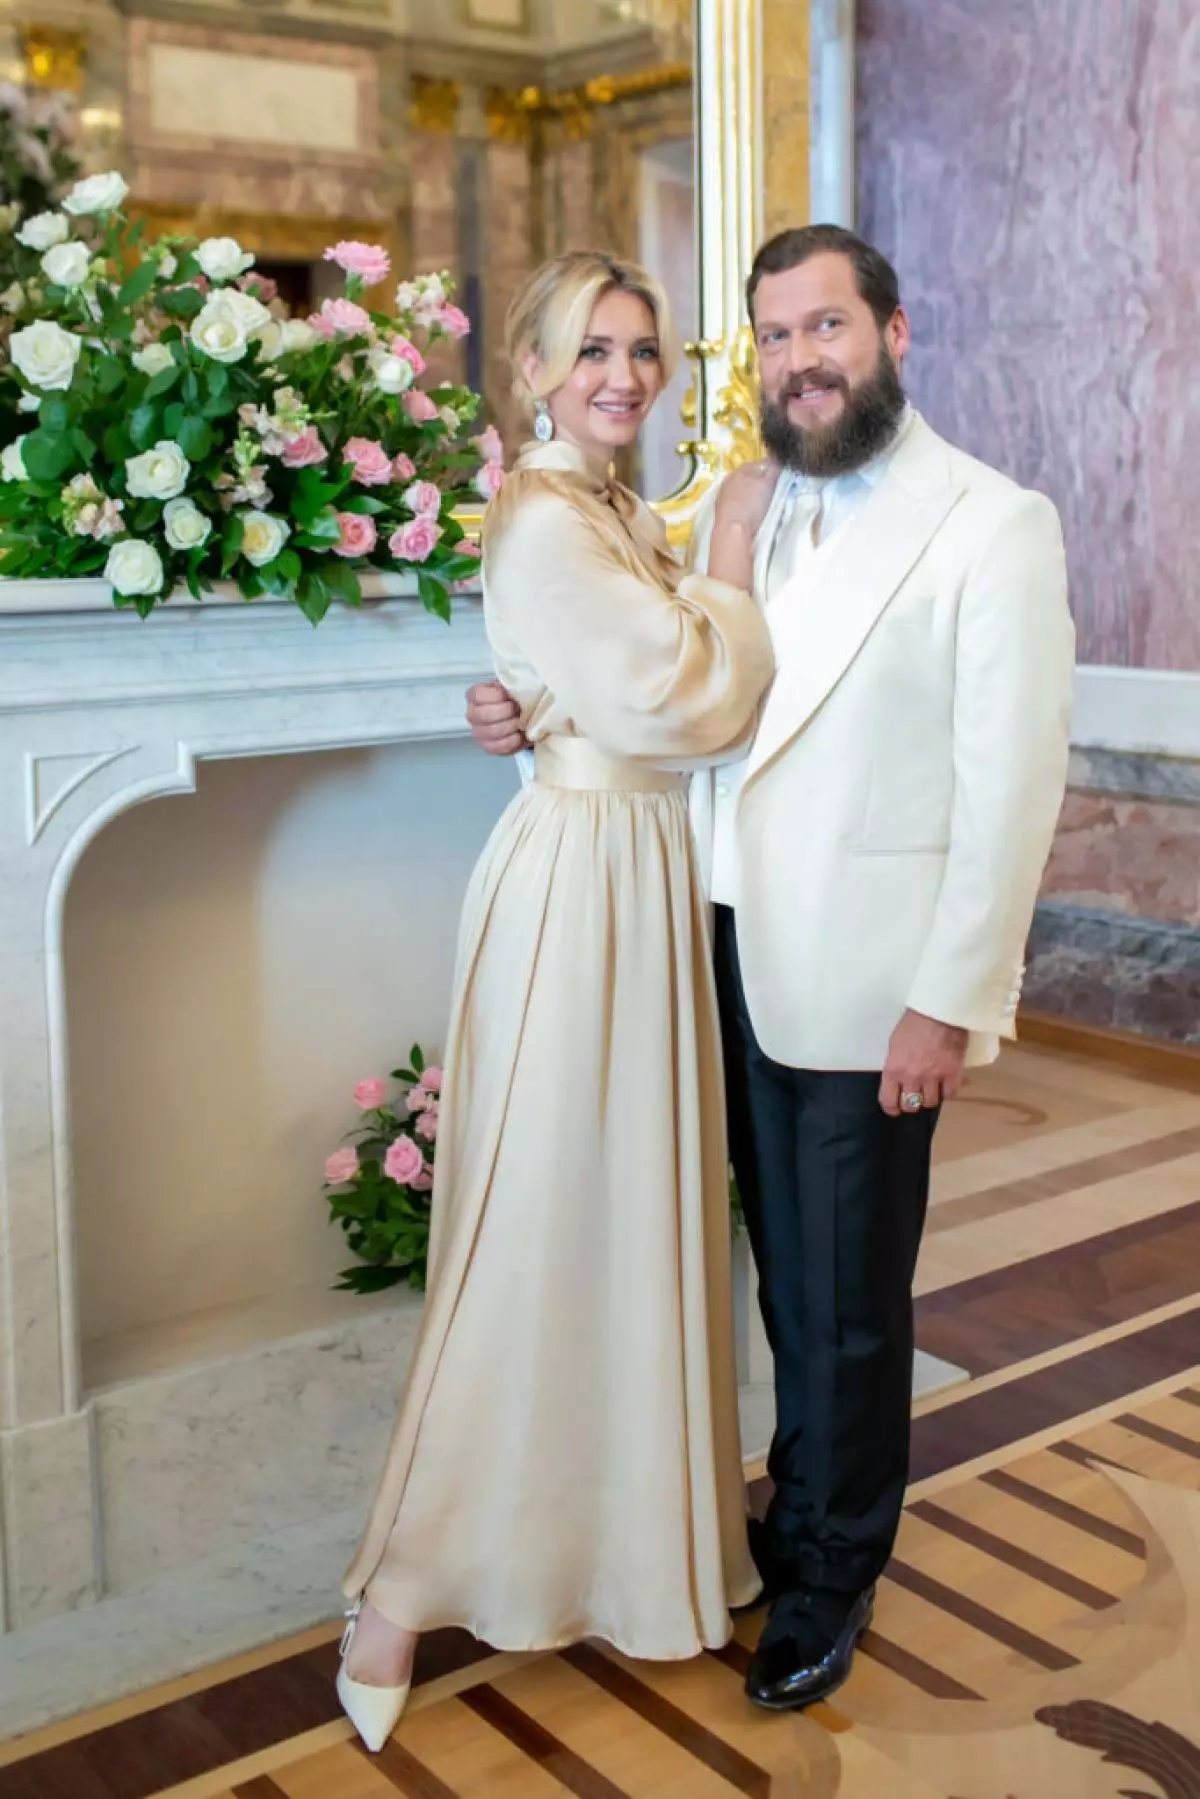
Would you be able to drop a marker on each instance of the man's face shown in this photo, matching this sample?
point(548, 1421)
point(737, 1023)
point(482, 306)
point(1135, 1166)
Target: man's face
point(830, 376)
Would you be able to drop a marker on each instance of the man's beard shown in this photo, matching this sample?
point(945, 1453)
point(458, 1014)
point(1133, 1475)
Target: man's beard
point(869, 420)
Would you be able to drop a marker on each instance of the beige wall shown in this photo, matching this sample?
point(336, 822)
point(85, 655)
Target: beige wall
point(236, 960)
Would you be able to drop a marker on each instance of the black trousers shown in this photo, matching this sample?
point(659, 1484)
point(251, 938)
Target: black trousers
point(835, 1195)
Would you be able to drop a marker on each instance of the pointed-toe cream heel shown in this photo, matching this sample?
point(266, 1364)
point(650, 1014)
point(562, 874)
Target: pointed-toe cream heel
point(373, 1711)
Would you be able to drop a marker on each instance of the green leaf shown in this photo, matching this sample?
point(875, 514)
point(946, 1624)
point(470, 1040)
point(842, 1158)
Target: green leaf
point(138, 285)
point(417, 1057)
point(182, 302)
point(289, 565)
point(195, 437)
point(343, 582)
point(370, 1280)
point(231, 542)
point(434, 594)
point(364, 503)
point(173, 418)
point(54, 413)
point(313, 596)
point(144, 423)
point(163, 382)
point(216, 378)
point(83, 443)
point(110, 374)
point(47, 455)
point(324, 529)
point(117, 442)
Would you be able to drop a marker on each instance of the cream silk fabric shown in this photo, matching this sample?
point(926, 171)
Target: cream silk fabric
point(566, 1460)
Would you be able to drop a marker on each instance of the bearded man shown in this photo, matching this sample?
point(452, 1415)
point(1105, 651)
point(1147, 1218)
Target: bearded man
point(874, 862)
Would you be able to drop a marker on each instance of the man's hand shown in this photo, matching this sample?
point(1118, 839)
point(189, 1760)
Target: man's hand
point(495, 719)
point(924, 1057)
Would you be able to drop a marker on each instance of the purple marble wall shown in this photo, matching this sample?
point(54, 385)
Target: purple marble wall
point(1032, 165)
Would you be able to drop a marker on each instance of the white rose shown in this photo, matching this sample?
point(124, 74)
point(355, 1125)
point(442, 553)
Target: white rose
point(185, 525)
point(298, 334)
point(393, 374)
point(222, 258)
point(270, 340)
point(45, 354)
point(158, 474)
point(218, 332)
point(167, 265)
point(263, 536)
point(44, 230)
point(153, 359)
point(67, 264)
point(134, 567)
point(28, 403)
point(97, 193)
point(12, 462)
point(254, 316)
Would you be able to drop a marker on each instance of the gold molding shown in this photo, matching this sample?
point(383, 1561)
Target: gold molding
point(508, 121)
point(433, 104)
point(54, 58)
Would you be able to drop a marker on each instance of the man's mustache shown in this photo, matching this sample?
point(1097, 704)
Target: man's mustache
point(794, 386)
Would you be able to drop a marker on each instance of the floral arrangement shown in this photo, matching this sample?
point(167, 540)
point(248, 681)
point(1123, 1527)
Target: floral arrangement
point(36, 162)
point(378, 1185)
point(184, 429)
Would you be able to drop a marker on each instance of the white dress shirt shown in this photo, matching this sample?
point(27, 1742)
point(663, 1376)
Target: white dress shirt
point(814, 516)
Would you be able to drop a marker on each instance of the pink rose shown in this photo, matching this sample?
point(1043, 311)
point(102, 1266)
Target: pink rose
point(454, 322)
point(370, 1095)
point(490, 445)
point(370, 261)
point(424, 498)
point(427, 1123)
point(414, 542)
point(370, 461)
point(408, 352)
point(468, 548)
point(489, 480)
point(304, 450)
point(423, 1182)
point(404, 1162)
point(261, 286)
point(341, 1166)
point(431, 1080)
point(342, 318)
point(419, 407)
point(403, 468)
point(358, 534)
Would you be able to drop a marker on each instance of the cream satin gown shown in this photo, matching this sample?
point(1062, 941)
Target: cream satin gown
point(566, 1460)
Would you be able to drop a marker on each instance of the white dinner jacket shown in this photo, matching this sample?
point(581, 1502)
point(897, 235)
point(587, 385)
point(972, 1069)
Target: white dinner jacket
point(902, 791)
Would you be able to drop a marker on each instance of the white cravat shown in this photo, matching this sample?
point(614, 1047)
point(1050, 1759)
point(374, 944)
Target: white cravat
point(813, 517)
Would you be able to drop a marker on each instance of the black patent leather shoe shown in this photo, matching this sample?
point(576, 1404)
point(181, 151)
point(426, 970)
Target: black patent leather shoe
point(791, 1671)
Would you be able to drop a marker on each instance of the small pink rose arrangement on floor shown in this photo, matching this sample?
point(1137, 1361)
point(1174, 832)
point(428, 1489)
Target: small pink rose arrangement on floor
point(378, 1186)
point(175, 427)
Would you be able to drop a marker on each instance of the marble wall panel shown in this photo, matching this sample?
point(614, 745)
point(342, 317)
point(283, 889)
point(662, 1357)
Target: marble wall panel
point(508, 260)
point(1137, 857)
point(1030, 166)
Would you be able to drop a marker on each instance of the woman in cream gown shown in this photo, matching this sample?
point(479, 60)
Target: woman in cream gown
point(566, 1460)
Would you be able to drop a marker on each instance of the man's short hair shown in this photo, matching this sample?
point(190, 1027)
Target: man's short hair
point(874, 275)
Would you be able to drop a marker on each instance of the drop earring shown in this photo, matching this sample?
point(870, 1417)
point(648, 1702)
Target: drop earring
point(543, 424)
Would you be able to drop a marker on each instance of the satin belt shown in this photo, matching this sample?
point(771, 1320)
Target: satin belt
point(574, 762)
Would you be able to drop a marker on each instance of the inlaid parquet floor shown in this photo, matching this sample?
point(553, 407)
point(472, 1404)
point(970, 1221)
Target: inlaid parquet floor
point(1037, 1634)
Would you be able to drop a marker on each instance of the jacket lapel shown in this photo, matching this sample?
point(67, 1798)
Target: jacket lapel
point(822, 618)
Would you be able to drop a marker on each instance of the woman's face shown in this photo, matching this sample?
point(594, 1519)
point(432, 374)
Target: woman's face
point(615, 381)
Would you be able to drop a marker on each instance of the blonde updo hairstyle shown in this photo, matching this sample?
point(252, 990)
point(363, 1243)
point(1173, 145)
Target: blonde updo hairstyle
point(549, 318)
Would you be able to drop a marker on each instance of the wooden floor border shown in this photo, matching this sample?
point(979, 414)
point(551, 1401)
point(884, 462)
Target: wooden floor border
point(1154, 1058)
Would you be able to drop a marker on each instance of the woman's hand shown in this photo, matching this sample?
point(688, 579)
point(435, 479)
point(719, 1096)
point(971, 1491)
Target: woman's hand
point(742, 502)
